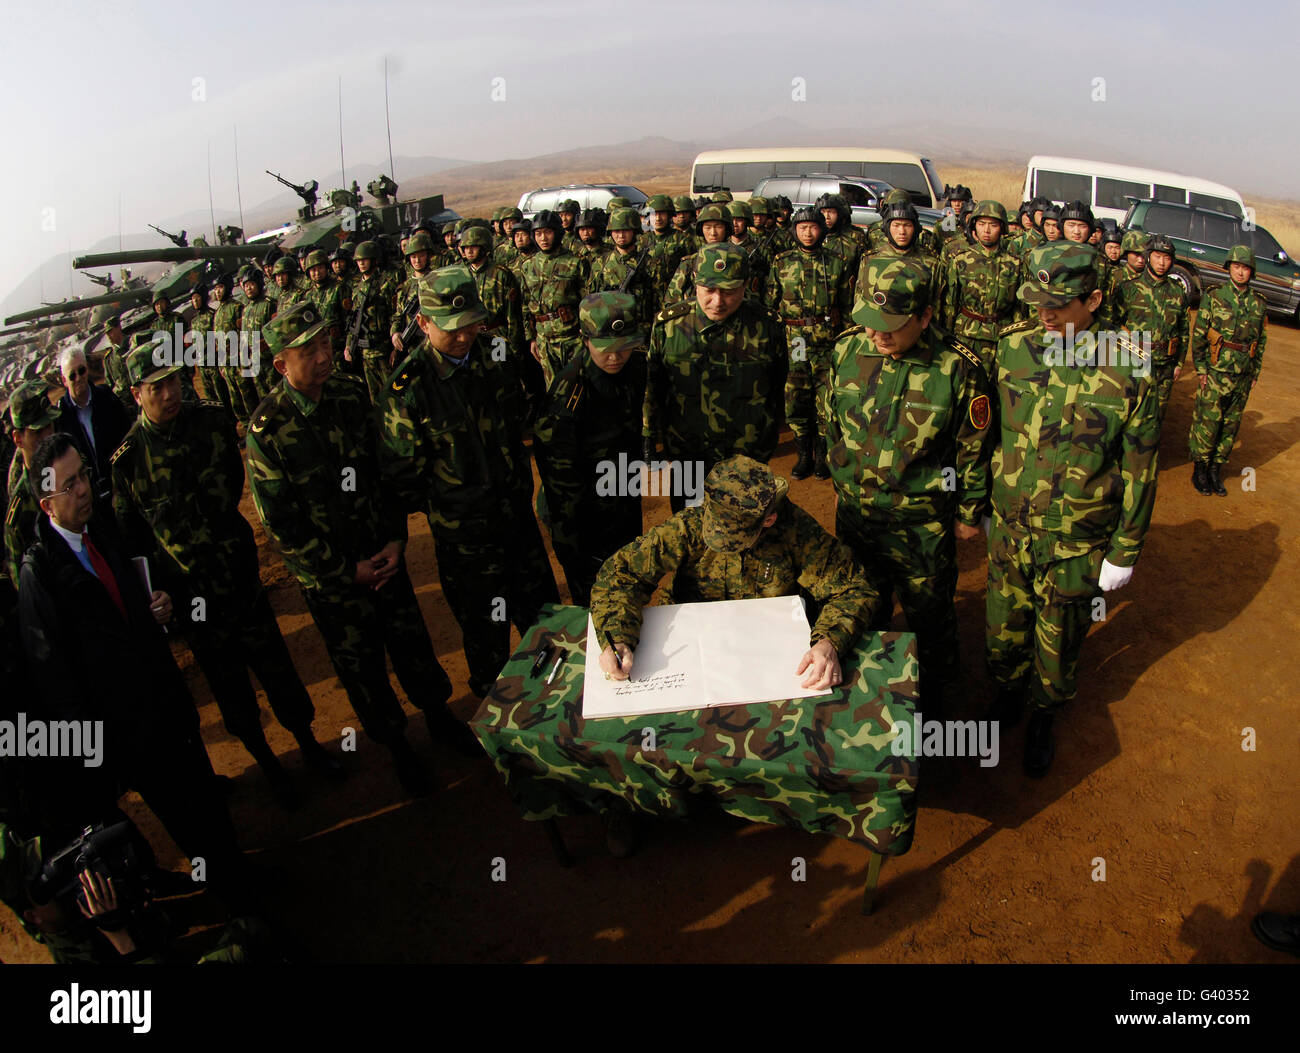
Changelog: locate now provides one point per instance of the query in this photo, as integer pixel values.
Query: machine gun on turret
(179, 240)
(307, 192)
(383, 190)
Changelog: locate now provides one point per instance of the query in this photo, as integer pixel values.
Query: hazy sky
(108, 99)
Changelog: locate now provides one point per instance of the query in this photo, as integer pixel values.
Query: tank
(125, 297)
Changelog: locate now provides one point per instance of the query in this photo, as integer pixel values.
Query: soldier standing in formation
(1155, 305)
(374, 294)
(552, 281)
(978, 285)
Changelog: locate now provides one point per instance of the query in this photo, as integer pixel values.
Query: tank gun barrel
(123, 296)
(190, 252)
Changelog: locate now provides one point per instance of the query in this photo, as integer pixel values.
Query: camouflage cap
(296, 326)
(449, 298)
(713, 214)
(368, 250)
(608, 320)
(721, 196)
(420, 242)
(1241, 254)
(721, 266)
(759, 206)
(740, 210)
(151, 360)
(739, 493)
(683, 203)
(895, 291)
(317, 258)
(624, 219)
(1059, 271)
(30, 405)
(478, 236)
(1134, 241)
(660, 203)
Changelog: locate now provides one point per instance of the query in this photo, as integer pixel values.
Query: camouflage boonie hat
(740, 210)
(1059, 271)
(420, 242)
(449, 298)
(608, 321)
(739, 493)
(367, 250)
(317, 258)
(683, 203)
(284, 265)
(624, 219)
(1241, 254)
(721, 197)
(477, 236)
(660, 203)
(895, 291)
(721, 266)
(30, 406)
(296, 326)
(1134, 241)
(142, 361)
(759, 206)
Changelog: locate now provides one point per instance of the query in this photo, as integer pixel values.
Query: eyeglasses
(77, 480)
(80, 371)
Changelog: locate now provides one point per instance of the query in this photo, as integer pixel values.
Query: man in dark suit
(95, 419)
(97, 652)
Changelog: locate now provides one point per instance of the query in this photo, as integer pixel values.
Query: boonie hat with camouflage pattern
(1059, 271)
(722, 266)
(30, 406)
(296, 326)
(449, 298)
(895, 291)
(739, 493)
(608, 320)
(146, 363)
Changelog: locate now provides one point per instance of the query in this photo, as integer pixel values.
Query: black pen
(609, 642)
(543, 653)
(559, 660)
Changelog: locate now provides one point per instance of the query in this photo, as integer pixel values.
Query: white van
(1108, 188)
(741, 170)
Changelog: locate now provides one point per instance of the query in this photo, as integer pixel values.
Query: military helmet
(546, 218)
(568, 205)
(959, 194)
(285, 265)
(511, 213)
(808, 215)
(712, 214)
(1053, 212)
(624, 219)
(782, 203)
(740, 210)
(1110, 232)
(1078, 210)
(1134, 241)
(526, 225)
(896, 196)
(659, 203)
(496, 213)
(990, 209)
(221, 278)
(369, 250)
(902, 210)
(683, 204)
(760, 206)
(478, 236)
(721, 197)
(317, 258)
(1241, 254)
(590, 217)
(250, 273)
(616, 202)
(1160, 243)
(159, 294)
(420, 242)
(272, 255)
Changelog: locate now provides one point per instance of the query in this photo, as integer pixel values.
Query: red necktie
(103, 573)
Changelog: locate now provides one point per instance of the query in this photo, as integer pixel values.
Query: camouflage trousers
(617, 522)
(1217, 415)
(357, 628)
(490, 582)
(1162, 376)
(377, 370)
(214, 387)
(555, 351)
(235, 638)
(806, 375)
(243, 392)
(918, 563)
(1038, 610)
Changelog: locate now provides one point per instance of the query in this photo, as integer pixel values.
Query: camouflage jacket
(795, 552)
(226, 316)
(115, 376)
(256, 314)
(285, 297)
(407, 296)
(714, 389)
(810, 293)
(977, 292)
(333, 299)
(376, 288)
(201, 325)
(1238, 316)
(760, 255)
(453, 445)
(20, 518)
(608, 271)
(553, 284)
(1158, 307)
(1078, 447)
(908, 439)
(176, 492)
(506, 255)
(848, 249)
(314, 472)
(590, 417)
(499, 290)
(666, 253)
(1020, 244)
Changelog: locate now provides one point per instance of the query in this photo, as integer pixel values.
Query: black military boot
(1213, 483)
(1200, 478)
(820, 468)
(804, 465)
(1008, 706)
(1039, 747)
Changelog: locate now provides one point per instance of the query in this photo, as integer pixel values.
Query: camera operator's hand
(101, 899)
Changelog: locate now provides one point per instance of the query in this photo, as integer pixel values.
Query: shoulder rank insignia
(981, 412)
(1016, 327)
(973, 359)
(675, 310)
(260, 422)
(575, 396)
(401, 380)
(1126, 343)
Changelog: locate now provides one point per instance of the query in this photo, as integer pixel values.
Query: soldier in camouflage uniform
(214, 385)
(668, 245)
(1026, 241)
(168, 321)
(978, 286)
(552, 282)
(876, 236)
(315, 475)
(524, 248)
(177, 481)
(285, 273)
(714, 228)
(715, 383)
(1052, 223)
(591, 233)
(1153, 304)
(759, 250)
(589, 422)
(257, 312)
(841, 235)
(811, 295)
(452, 424)
(376, 289)
(114, 360)
(333, 299)
(777, 239)
(908, 415)
(419, 250)
(684, 213)
(498, 289)
(32, 417)
(1228, 351)
(612, 268)
(951, 233)
(227, 316)
(568, 211)
(1073, 486)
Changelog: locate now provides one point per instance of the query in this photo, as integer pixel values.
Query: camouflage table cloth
(822, 764)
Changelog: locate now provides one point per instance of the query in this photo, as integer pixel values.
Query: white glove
(987, 525)
(1113, 577)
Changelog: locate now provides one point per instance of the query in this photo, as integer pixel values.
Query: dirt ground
(1196, 833)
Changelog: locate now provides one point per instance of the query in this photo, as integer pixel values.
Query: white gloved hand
(987, 524)
(1113, 577)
